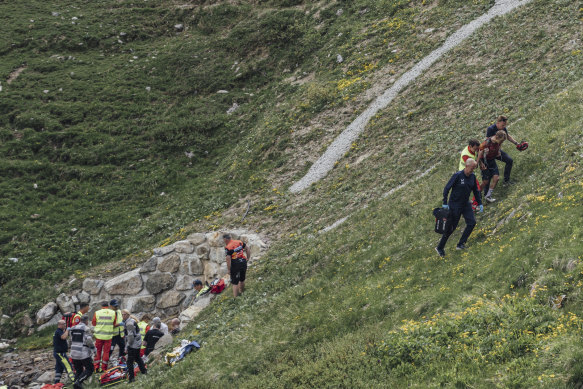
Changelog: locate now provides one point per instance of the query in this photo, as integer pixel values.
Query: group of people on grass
(93, 341)
(463, 183)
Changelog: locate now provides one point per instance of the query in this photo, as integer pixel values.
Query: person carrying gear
(237, 254)
(82, 349)
(461, 184)
(500, 125)
(104, 322)
(133, 344)
(118, 332)
(60, 348)
(489, 151)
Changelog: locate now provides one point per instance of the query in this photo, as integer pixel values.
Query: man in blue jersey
(461, 185)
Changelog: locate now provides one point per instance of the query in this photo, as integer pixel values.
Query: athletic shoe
(509, 182)
(441, 252)
(490, 199)
(460, 247)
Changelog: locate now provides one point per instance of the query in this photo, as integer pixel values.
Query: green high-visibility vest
(467, 152)
(104, 319)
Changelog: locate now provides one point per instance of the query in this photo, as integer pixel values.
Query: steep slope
(369, 303)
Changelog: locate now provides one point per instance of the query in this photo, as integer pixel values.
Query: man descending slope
(461, 184)
(500, 125)
(471, 151)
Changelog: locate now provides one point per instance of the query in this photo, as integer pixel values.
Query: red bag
(217, 286)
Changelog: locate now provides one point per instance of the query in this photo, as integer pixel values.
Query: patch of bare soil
(14, 75)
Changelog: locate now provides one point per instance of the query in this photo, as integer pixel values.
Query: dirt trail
(342, 143)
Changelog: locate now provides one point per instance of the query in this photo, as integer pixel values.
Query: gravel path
(342, 143)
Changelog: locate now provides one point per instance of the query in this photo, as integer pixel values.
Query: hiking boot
(461, 247)
(490, 199)
(509, 182)
(440, 252)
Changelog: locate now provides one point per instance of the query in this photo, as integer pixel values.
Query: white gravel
(342, 143)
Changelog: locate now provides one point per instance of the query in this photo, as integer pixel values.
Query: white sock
(490, 192)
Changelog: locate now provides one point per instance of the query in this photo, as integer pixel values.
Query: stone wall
(162, 286)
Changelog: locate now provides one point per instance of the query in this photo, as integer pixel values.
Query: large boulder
(215, 239)
(51, 323)
(203, 251)
(159, 282)
(169, 263)
(46, 313)
(217, 255)
(126, 283)
(92, 286)
(140, 303)
(184, 282)
(196, 239)
(191, 312)
(163, 341)
(65, 303)
(211, 271)
(150, 265)
(83, 297)
(192, 265)
(161, 251)
(172, 298)
(183, 247)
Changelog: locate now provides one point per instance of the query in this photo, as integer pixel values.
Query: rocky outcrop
(125, 284)
(162, 285)
(159, 282)
(46, 313)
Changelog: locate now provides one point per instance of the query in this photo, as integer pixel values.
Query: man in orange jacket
(237, 254)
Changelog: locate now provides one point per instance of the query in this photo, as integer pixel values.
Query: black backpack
(441, 215)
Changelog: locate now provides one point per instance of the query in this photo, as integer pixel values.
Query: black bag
(441, 215)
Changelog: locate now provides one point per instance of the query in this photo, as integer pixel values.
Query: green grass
(368, 304)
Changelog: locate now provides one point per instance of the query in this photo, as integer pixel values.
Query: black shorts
(238, 271)
(491, 170)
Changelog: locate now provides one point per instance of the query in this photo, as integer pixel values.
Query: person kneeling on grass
(461, 184)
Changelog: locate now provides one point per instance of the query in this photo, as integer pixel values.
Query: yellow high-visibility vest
(142, 325)
(467, 152)
(120, 329)
(104, 319)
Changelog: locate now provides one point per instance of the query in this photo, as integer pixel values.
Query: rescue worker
(104, 322)
(83, 309)
(470, 152)
(82, 349)
(144, 325)
(489, 151)
(118, 332)
(163, 326)
(133, 345)
(152, 337)
(200, 288)
(237, 254)
(500, 125)
(60, 348)
(461, 184)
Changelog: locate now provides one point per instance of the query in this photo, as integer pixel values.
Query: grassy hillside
(368, 303)
(114, 135)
